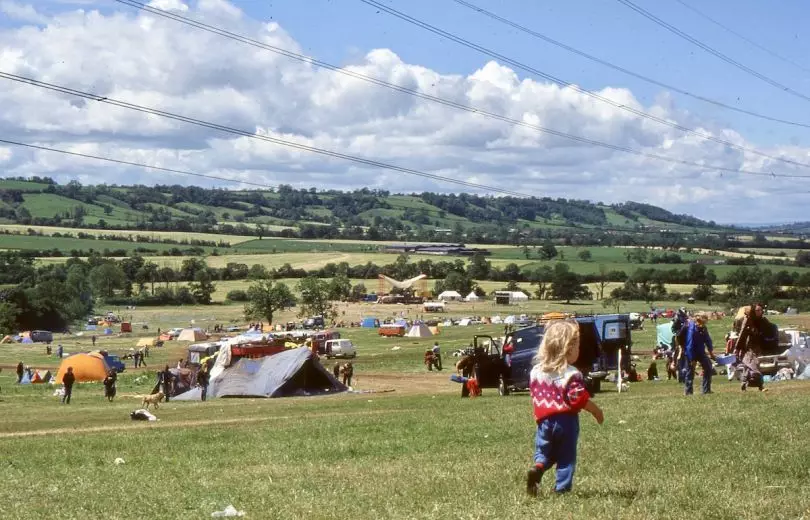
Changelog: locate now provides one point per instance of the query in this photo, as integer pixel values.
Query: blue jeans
(556, 443)
(706, 385)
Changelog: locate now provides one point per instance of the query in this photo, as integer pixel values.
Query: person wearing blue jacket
(698, 348)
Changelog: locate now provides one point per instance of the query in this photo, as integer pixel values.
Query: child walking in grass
(558, 394)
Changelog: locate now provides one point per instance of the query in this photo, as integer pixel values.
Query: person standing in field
(698, 348)
(67, 382)
(109, 385)
(166, 382)
(558, 395)
(20, 371)
(202, 380)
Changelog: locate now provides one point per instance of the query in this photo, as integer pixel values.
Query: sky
(118, 52)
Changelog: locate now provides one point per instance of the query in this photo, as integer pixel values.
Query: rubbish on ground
(119, 461)
(142, 415)
(228, 511)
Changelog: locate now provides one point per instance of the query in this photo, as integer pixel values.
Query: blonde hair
(561, 336)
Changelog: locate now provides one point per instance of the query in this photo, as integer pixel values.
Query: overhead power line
(361, 160)
(436, 211)
(253, 135)
(418, 94)
(711, 50)
(623, 70)
(594, 95)
(743, 37)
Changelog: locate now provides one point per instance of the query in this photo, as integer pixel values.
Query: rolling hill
(369, 214)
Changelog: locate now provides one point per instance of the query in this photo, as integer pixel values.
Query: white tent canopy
(419, 331)
(472, 297)
(450, 295)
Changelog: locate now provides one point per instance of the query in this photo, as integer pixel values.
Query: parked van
(343, 348)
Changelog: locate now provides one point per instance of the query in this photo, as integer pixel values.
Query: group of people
(694, 346)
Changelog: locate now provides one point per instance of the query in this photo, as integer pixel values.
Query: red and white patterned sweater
(555, 393)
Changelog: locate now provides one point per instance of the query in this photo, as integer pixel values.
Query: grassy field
(40, 243)
(173, 235)
(415, 452)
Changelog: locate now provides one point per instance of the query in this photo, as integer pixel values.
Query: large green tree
(566, 285)
(315, 298)
(202, 287)
(106, 278)
(265, 298)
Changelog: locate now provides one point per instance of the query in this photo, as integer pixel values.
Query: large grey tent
(294, 372)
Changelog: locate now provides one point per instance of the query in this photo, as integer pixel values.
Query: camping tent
(192, 335)
(86, 367)
(289, 373)
(419, 331)
(472, 297)
(41, 377)
(370, 323)
(450, 296)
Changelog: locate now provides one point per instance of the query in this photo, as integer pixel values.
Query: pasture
(418, 451)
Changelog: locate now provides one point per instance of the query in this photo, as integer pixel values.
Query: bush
(237, 295)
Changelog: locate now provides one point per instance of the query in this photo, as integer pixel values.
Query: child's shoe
(533, 478)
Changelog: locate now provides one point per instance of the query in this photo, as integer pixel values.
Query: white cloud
(21, 12)
(155, 62)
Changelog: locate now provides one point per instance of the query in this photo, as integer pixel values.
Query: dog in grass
(153, 399)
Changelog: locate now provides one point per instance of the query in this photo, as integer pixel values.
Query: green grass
(418, 452)
(39, 243)
(25, 186)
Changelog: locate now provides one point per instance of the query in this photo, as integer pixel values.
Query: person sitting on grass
(558, 395)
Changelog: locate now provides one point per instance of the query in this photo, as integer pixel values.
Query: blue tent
(370, 323)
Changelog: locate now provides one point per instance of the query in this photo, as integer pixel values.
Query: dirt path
(136, 425)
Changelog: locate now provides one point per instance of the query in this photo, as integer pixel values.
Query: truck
(506, 363)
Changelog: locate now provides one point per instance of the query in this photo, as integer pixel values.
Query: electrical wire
(330, 153)
(416, 93)
(594, 95)
(253, 135)
(743, 37)
(711, 50)
(623, 70)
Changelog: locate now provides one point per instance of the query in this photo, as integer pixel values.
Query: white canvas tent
(419, 331)
(294, 372)
(192, 335)
(472, 297)
(450, 296)
(518, 296)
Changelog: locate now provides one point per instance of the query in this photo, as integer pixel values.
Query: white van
(340, 348)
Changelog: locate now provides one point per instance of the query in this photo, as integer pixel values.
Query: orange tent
(86, 367)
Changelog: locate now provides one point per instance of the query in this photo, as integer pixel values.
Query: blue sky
(340, 31)
(224, 81)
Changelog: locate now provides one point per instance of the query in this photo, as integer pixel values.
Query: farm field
(407, 452)
(173, 235)
(41, 243)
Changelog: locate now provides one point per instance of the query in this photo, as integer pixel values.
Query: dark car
(315, 322)
(41, 336)
(602, 337)
(113, 361)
